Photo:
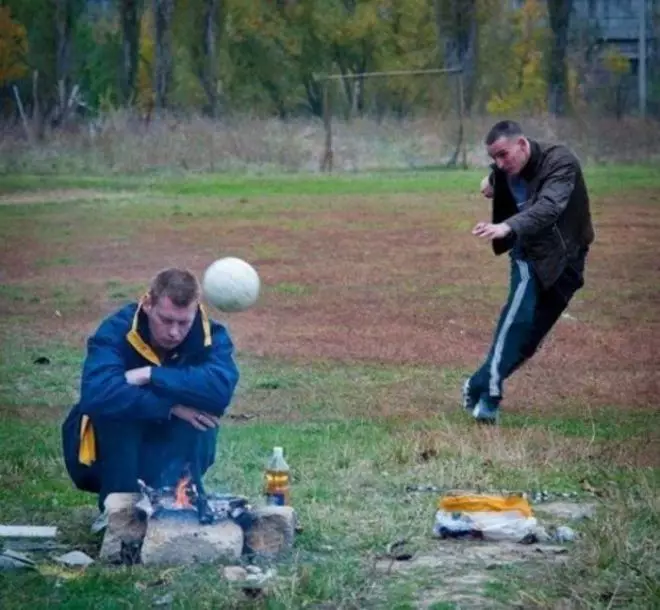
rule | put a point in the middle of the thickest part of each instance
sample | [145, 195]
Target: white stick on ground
[28, 531]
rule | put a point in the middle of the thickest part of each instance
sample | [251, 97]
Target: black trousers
[527, 317]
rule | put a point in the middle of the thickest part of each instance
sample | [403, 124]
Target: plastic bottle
[277, 479]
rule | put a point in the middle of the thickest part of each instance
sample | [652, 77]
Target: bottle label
[275, 499]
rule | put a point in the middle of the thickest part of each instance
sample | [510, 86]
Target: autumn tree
[520, 78]
[13, 48]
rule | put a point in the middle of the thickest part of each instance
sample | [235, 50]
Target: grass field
[376, 302]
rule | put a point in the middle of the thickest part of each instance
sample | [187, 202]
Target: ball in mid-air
[231, 284]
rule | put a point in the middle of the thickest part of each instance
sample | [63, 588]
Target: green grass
[601, 180]
[613, 423]
[347, 471]
[348, 487]
[355, 433]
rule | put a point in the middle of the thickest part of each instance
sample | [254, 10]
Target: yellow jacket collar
[145, 350]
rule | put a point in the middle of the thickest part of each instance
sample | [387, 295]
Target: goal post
[354, 84]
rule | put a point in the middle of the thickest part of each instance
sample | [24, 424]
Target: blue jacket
[200, 373]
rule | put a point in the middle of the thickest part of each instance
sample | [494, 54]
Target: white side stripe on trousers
[523, 267]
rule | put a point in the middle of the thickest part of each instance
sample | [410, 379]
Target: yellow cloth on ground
[476, 503]
[87, 450]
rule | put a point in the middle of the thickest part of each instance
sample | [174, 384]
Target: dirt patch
[461, 570]
[57, 196]
[395, 280]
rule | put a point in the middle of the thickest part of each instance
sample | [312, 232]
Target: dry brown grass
[121, 142]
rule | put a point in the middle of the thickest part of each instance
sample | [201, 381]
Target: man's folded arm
[208, 386]
[105, 392]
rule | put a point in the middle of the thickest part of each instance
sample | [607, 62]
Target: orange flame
[181, 494]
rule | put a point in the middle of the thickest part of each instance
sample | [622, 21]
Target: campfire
[184, 489]
[186, 524]
[188, 500]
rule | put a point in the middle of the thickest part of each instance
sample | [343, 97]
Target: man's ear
[147, 303]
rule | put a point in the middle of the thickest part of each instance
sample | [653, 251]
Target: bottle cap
[278, 452]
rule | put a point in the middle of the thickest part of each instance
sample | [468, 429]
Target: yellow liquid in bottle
[277, 487]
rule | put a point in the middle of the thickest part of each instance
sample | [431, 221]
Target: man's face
[169, 325]
[510, 154]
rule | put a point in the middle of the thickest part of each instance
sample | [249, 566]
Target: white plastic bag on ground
[484, 517]
[494, 526]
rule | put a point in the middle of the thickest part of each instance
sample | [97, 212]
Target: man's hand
[486, 188]
[197, 419]
[487, 230]
[141, 376]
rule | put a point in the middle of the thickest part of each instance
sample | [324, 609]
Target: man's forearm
[207, 388]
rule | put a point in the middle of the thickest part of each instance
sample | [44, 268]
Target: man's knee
[184, 447]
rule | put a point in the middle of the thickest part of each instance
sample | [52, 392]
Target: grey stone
[272, 531]
[74, 559]
[125, 528]
[234, 573]
[250, 578]
[565, 534]
[183, 541]
[259, 581]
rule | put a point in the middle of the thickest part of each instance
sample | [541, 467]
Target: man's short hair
[180, 285]
[503, 129]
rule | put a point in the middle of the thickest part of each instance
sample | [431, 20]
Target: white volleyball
[231, 284]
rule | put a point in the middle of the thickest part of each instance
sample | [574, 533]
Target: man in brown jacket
[540, 215]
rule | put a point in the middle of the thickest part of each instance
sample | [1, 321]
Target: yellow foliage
[615, 62]
[144, 89]
[13, 47]
[574, 88]
[523, 81]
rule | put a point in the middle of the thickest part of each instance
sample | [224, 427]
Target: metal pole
[461, 113]
[391, 73]
[326, 162]
[641, 70]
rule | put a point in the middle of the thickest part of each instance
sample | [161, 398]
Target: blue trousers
[526, 318]
[157, 453]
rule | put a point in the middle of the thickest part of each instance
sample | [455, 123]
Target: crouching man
[157, 378]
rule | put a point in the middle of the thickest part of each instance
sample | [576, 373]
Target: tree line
[267, 56]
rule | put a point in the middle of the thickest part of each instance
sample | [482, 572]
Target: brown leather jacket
[554, 226]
